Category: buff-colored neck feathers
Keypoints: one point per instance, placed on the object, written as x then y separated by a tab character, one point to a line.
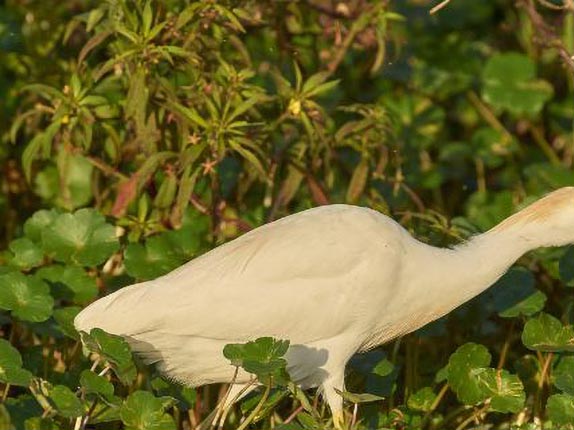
540	210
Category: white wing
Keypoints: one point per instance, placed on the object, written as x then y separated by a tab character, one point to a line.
306	277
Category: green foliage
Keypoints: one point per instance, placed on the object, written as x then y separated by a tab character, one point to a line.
114	350
560	409
11	371
262	357
474	382
143	411
27	297
510	84
82	238
136	135
546	333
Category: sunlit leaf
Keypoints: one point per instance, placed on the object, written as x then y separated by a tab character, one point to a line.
465	367
546	333
143	411
82	238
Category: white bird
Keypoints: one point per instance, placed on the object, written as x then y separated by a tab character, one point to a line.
334	280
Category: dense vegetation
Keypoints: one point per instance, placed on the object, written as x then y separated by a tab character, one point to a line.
137	134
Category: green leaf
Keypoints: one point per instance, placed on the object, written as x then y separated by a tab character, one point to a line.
263	357
383	368
37	223
510	84
113	349
506	391
26	296
560	409
11	371
359	397
21	409
465	367
515	294
161	253
40	423
75	177
70	282
96	384
66	402
563	374
25	253
82	238
65	319
143	411
422	400
546	333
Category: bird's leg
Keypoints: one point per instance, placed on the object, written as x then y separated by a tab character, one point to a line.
334	399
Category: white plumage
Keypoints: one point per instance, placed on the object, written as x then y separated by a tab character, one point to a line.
334	280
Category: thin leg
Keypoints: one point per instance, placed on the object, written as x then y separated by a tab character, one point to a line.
334	399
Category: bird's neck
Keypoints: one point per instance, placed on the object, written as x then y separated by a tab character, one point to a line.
459	274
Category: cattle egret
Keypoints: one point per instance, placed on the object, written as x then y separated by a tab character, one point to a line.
334	280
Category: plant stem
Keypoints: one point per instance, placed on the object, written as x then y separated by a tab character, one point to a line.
5	392
255	411
473	417
544	145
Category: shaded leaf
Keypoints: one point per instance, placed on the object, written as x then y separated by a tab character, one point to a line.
113	349
26	296
560	409
66	402
11	371
510	84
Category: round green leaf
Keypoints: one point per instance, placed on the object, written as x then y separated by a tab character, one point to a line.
505	390
25	253
263	357
546	333
38	222
465	367
510	84
161	253
96	384
26	296
143	411
560	409
66	402
82	238
563	374
70	282
422	400
11	371
151	260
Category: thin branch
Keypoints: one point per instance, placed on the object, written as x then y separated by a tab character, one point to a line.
439	6
568	4
547	36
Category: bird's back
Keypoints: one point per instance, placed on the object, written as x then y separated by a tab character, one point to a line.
302	278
